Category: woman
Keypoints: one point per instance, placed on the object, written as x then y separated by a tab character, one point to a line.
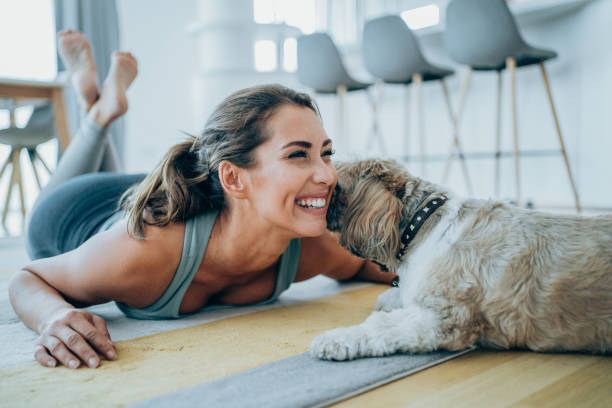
230	217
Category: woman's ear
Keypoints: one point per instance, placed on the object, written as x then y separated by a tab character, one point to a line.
229	176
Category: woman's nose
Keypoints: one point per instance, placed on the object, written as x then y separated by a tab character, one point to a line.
325	173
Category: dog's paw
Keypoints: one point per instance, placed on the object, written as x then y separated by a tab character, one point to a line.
389	300
345	343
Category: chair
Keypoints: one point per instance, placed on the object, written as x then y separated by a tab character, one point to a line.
320	67
39	129
392	53
483	35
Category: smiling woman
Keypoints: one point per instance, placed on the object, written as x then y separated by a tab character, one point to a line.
230	217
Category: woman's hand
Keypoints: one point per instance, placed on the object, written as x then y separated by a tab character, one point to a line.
73	336
373	273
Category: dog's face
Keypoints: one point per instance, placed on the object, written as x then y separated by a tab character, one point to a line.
367	206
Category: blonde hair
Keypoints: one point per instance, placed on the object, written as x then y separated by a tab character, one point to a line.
186	181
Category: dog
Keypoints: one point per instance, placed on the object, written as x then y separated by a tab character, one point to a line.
472	272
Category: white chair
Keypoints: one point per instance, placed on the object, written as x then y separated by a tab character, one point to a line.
39	129
320	67
392	53
483	35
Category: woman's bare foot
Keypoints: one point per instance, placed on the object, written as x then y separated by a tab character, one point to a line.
75	51
113	101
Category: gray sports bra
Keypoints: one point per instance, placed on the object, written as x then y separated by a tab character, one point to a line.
197	234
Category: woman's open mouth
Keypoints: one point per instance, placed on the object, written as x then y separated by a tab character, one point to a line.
316	206
314	203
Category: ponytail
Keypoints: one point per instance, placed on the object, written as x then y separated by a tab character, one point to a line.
175	191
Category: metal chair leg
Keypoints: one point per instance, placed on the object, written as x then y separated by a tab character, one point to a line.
10	188
498	134
511	65
558	127
407	123
341	91
6	163
42	161
458	116
19	179
418	81
32	156
456	145
374	98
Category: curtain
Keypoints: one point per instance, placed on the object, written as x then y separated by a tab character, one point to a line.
98	20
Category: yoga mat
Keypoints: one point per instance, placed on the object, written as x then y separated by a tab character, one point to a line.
300	381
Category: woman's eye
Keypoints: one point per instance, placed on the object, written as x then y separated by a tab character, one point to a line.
299	153
329	152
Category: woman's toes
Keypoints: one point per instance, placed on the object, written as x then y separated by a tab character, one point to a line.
75	52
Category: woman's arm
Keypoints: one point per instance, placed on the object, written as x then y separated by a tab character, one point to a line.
369	271
62	327
109	266
324	255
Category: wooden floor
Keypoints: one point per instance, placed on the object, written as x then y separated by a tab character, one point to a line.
501	379
173	360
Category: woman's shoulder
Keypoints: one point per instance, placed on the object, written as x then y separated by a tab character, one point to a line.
112	265
147	265
161	246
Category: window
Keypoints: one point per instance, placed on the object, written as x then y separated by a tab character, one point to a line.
422	17
290	55
27	39
27	51
298	13
265	56
27	44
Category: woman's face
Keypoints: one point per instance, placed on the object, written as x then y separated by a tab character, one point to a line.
293	179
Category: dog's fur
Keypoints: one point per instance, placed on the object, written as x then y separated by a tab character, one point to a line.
477	273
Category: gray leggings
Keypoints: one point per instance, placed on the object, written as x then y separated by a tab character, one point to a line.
82	193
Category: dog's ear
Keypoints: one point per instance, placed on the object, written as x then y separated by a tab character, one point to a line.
371	221
392	176
336	208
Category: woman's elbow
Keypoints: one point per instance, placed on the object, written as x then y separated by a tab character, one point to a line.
17	284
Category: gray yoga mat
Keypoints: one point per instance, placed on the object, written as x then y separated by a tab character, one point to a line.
300	381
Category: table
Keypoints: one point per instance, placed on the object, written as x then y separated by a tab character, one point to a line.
33	89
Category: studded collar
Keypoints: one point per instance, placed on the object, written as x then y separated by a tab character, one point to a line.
417	221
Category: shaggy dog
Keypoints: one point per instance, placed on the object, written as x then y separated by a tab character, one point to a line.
472	272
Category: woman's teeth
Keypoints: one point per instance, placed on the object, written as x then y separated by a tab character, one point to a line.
312	203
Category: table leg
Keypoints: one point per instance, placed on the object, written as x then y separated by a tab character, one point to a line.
61	121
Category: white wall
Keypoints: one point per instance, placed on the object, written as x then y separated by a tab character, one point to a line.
161	98
167	97
582	88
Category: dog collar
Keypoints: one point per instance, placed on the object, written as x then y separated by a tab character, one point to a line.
416	222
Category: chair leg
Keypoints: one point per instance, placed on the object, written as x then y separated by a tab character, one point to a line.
407	123
32	156
6	163
9	193
341	91
498	134
42	161
558	127
19	179
511	64
458	116
374	98
418	81
456	145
